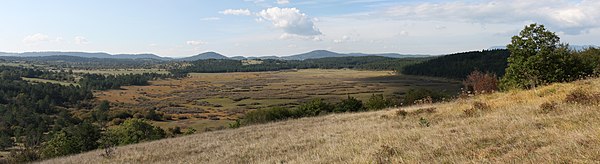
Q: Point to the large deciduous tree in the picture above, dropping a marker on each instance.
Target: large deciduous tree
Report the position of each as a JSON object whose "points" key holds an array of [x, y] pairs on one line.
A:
{"points": [[537, 57]]}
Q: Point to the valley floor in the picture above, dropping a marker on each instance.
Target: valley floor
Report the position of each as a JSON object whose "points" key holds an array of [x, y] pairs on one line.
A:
{"points": [[510, 127]]}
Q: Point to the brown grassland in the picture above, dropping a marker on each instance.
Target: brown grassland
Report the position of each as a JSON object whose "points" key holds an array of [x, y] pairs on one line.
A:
{"points": [[531, 126], [212, 100]]}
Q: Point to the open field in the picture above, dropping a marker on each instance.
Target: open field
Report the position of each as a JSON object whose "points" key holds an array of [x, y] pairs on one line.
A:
{"points": [[214, 97], [511, 127]]}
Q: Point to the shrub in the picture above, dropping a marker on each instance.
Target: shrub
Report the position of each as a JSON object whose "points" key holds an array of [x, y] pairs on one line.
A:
{"points": [[174, 131], [235, 124], [133, 131], [190, 131], [350, 104], [476, 109], [580, 96], [414, 95], [424, 122], [401, 112], [5, 141], [153, 115], [377, 101], [268, 115], [548, 107], [479, 82], [315, 107]]}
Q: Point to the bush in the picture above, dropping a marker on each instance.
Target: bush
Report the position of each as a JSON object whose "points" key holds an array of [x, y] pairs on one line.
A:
{"points": [[377, 101], [580, 96], [350, 104], [268, 115], [548, 107], [72, 140], [5, 141], [479, 82], [476, 109], [315, 107], [133, 131], [414, 96]]}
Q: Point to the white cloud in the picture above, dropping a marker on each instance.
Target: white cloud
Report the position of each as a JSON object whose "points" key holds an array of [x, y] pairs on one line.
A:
{"points": [[81, 40], [281, 2], [35, 38], [254, 1], [195, 42], [59, 39], [211, 19], [290, 20], [303, 37], [235, 12], [566, 16], [345, 38]]}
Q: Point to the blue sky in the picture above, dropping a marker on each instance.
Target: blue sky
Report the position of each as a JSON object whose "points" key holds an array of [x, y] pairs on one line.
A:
{"points": [[178, 28]]}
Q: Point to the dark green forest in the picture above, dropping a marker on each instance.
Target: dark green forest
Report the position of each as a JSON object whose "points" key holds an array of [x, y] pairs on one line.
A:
{"points": [[459, 65], [363, 63]]}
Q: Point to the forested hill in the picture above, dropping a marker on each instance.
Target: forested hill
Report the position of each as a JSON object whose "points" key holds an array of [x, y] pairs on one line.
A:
{"points": [[459, 65], [366, 63]]}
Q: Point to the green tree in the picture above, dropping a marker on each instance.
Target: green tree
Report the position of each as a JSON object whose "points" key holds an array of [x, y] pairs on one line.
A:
{"points": [[59, 145], [72, 140], [134, 131], [315, 107], [5, 141], [377, 101], [350, 104], [537, 57]]}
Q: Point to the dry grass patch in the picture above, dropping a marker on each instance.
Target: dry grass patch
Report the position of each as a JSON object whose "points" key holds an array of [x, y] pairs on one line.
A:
{"points": [[507, 133]]}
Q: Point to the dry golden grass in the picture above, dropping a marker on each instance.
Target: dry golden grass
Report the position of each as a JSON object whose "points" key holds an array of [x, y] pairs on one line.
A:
{"points": [[512, 130]]}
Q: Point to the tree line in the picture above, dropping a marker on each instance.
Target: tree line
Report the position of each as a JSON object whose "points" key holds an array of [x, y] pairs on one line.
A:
{"points": [[459, 65], [365, 63]]}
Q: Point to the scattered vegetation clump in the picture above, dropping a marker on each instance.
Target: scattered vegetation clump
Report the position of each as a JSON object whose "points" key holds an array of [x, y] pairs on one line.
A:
{"points": [[424, 122], [548, 107], [401, 112], [269, 115], [315, 107], [350, 104], [425, 110], [480, 83], [377, 102], [423, 96], [385, 154], [580, 96], [477, 108]]}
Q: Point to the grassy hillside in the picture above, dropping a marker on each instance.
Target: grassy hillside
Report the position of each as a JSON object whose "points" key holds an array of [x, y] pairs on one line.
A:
{"points": [[512, 127]]}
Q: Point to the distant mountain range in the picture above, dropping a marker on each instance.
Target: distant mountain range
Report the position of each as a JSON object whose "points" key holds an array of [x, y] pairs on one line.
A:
{"points": [[207, 55], [86, 55]]}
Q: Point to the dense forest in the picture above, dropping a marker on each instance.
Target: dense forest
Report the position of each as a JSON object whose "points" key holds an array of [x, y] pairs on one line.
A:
{"points": [[87, 63], [365, 63], [36, 119], [459, 65]]}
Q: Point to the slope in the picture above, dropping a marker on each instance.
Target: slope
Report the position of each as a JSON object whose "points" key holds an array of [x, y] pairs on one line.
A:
{"points": [[509, 127]]}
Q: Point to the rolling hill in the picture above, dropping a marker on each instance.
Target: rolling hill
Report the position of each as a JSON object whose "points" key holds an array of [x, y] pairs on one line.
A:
{"points": [[204, 56], [85, 55], [531, 126]]}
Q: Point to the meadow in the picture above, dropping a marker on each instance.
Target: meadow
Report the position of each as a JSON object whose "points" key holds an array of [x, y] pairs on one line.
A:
{"points": [[555, 123], [212, 100]]}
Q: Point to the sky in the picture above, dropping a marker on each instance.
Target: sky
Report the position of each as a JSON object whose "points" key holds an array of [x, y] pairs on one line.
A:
{"points": [[179, 28]]}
